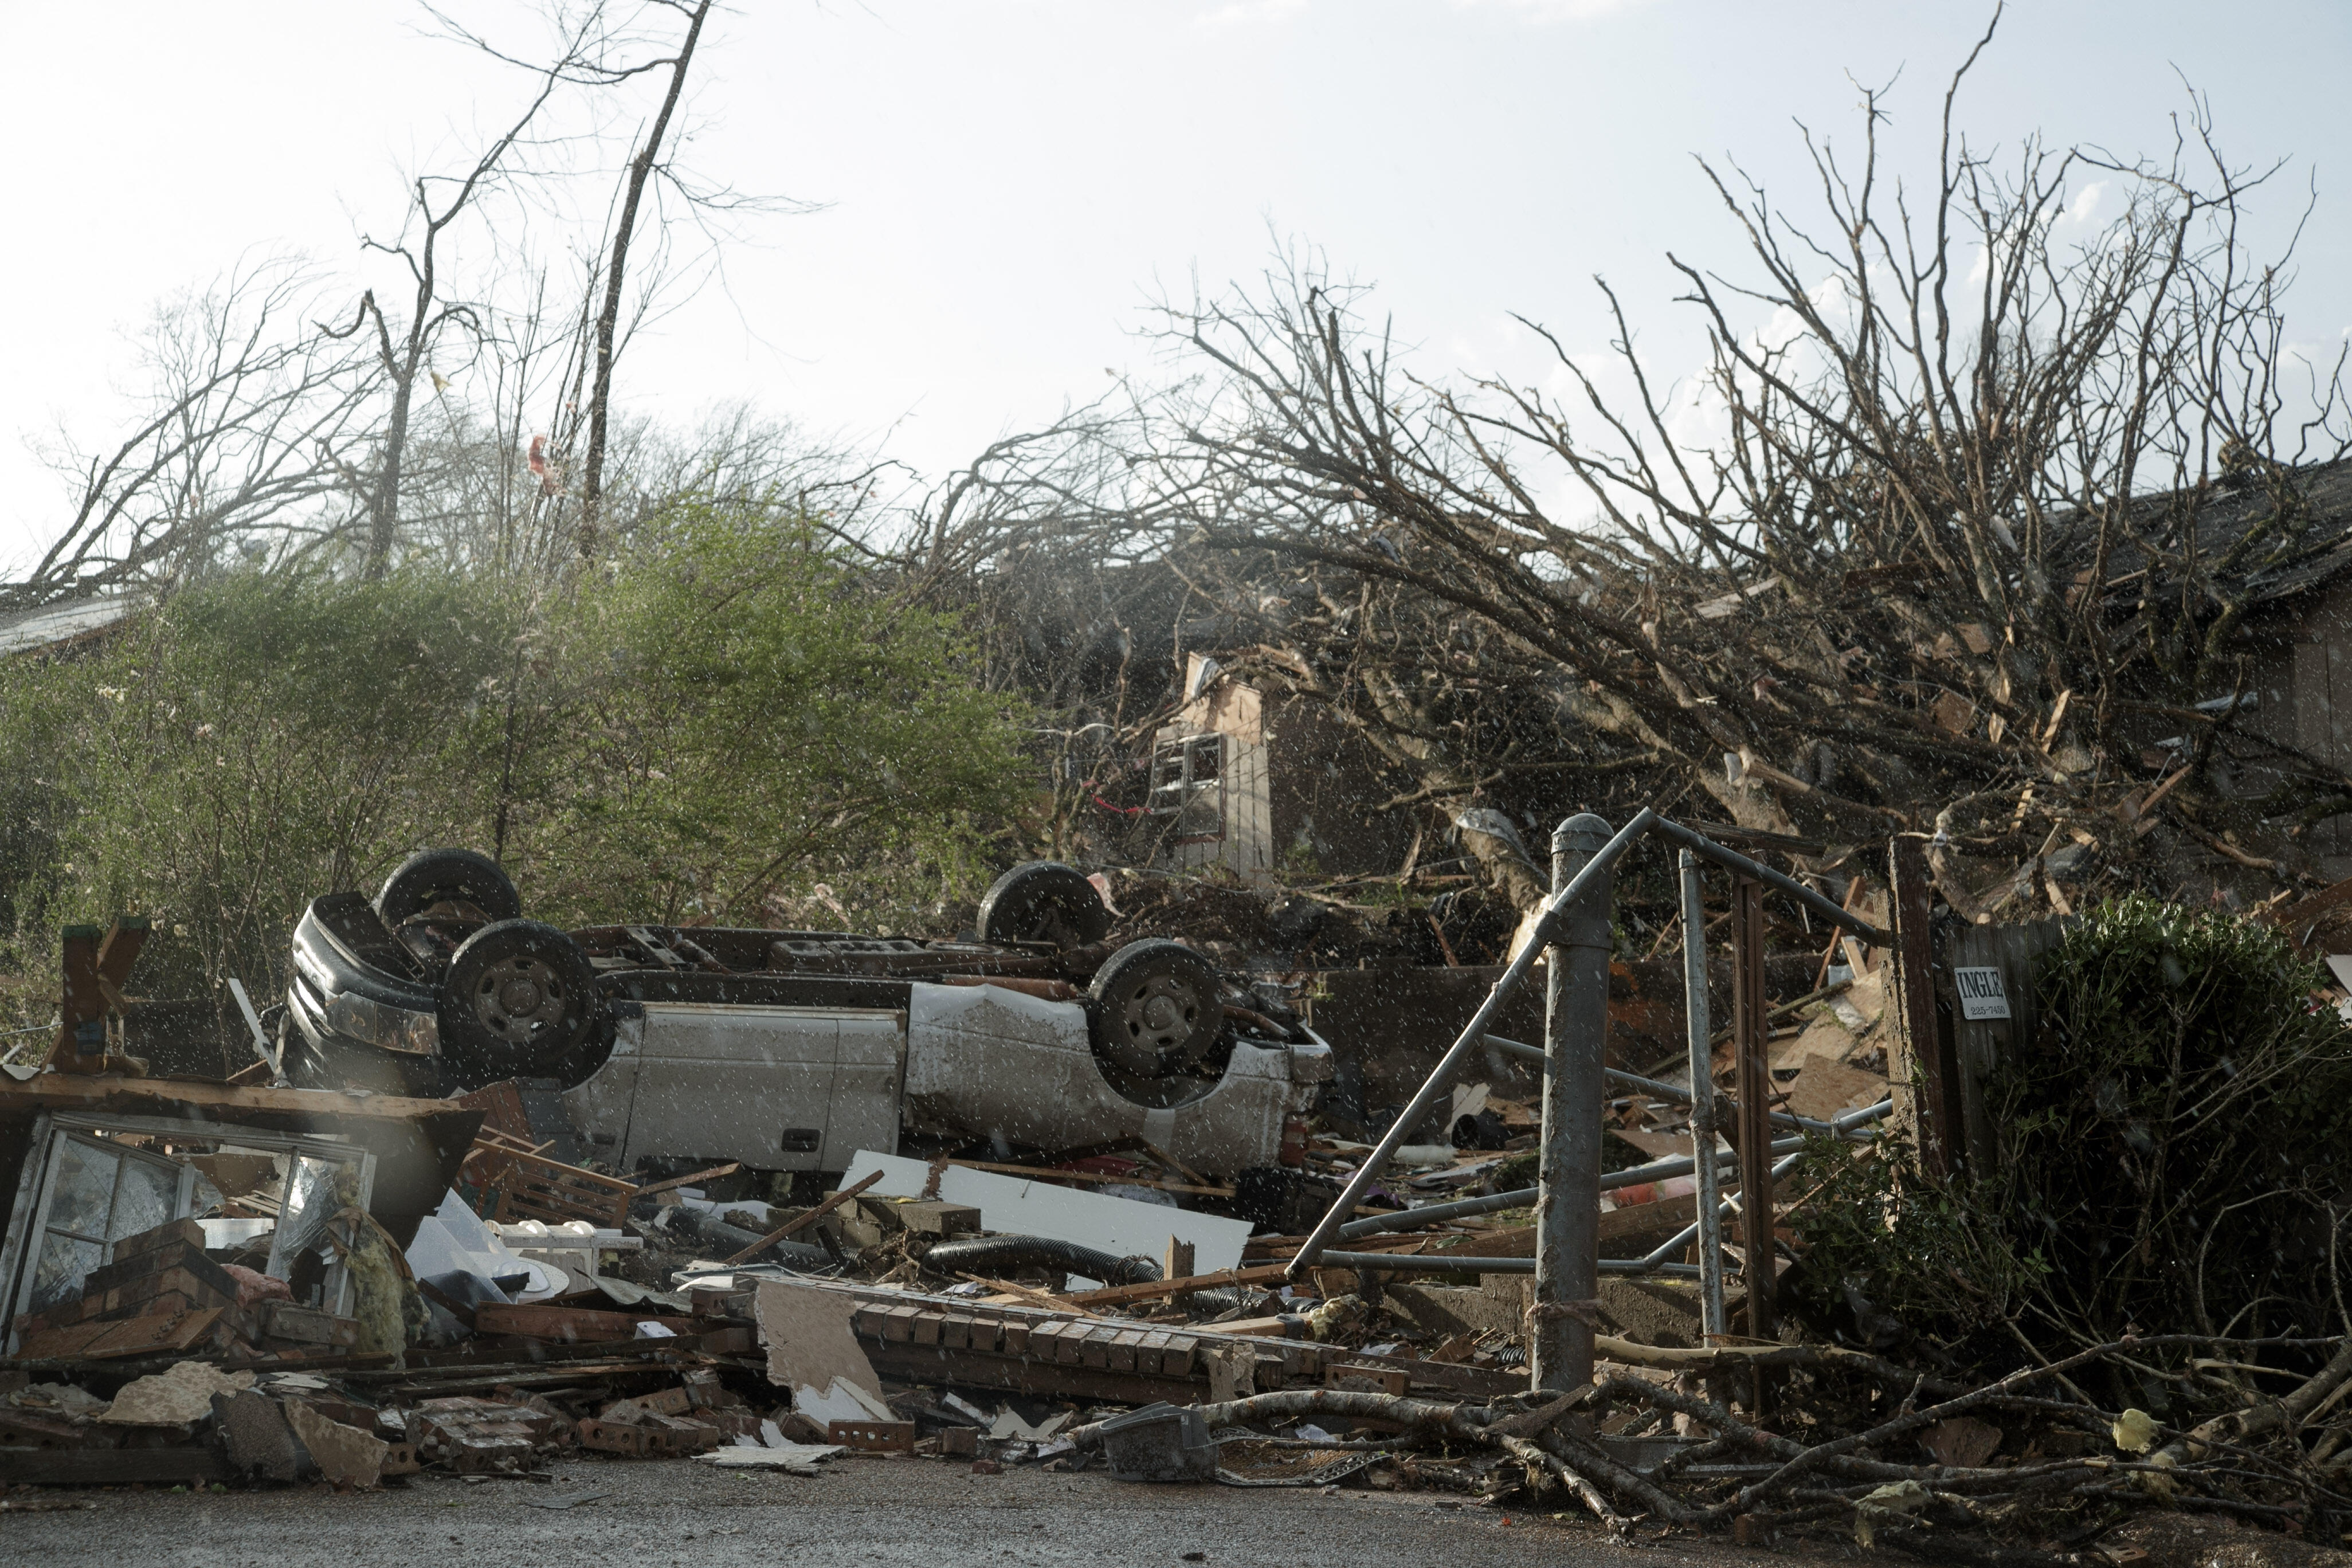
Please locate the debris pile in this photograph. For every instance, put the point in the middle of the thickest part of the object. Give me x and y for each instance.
(164, 1295)
(224, 1284)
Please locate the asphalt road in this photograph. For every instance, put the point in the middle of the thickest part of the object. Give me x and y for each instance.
(866, 1510)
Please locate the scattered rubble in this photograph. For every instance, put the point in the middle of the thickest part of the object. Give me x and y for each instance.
(355, 1289)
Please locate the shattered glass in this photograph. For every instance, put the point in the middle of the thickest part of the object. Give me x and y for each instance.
(144, 1199)
(58, 1273)
(83, 1195)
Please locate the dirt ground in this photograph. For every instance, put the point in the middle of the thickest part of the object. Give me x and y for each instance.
(861, 1510)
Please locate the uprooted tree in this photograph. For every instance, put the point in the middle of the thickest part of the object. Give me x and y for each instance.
(1975, 533)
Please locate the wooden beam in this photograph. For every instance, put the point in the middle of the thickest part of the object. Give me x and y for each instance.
(1047, 1174)
(113, 1467)
(574, 1325)
(1935, 1068)
(53, 1091)
(2304, 912)
(1152, 1291)
(715, 1172)
(1023, 1375)
(803, 1220)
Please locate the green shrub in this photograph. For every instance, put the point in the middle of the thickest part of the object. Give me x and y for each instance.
(253, 742)
(2172, 1152)
(753, 719)
(2175, 1143)
(730, 723)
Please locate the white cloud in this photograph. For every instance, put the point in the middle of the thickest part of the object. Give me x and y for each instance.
(1247, 13)
(1558, 10)
(1251, 12)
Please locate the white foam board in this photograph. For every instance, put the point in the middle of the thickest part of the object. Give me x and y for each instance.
(1018, 1207)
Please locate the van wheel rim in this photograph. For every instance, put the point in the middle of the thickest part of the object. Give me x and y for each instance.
(518, 996)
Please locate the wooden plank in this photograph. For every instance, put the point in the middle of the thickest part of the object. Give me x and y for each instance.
(1652, 1221)
(500, 1104)
(1930, 1089)
(57, 1091)
(65, 1343)
(800, 1222)
(1094, 1177)
(1980, 1045)
(1156, 1289)
(145, 1336)
(1479, 1381)
(2296, 916)
(1031, 1376)
(113, 1467)
(1274, 1328)
(572, 1324)
(688, 1180)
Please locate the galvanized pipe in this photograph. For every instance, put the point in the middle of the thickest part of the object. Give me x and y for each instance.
(1701, 1033)
(1473, 1035)
(1690, 1232)
(1658, 1086)
(1409, 1263)
(1525, 1197)
(1576, 1030)
(1828, 909)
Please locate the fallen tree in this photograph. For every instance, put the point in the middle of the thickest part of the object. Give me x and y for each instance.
(1861, 1469)
(1974, 545)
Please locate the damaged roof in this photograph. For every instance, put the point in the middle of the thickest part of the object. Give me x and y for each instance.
(68, 621)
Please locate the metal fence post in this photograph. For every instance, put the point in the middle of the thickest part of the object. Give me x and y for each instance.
(1752, 1039)
(1702, 1087)
(1576, 1031)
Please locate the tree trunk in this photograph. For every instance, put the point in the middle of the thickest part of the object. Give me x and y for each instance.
(591, 488)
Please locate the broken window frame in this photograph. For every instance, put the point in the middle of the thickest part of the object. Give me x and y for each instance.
(47, 1226)
(1179, 785)
(36, 1191)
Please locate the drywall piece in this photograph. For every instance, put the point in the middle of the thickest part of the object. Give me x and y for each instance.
(793, 1458)
(811, 1349)
(1015, 1205)
(1007, 1423)
(841, 1400)
(1233, 1372)
(180, 1396)
(344, 1455)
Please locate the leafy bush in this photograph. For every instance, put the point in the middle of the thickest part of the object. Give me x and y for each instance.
(2174, 1144)
(251, 745)
(727, 720)
(1877, 1232)
(751, 719)
(2171, 1153)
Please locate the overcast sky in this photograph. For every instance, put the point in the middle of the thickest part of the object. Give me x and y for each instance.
(1006, 183)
